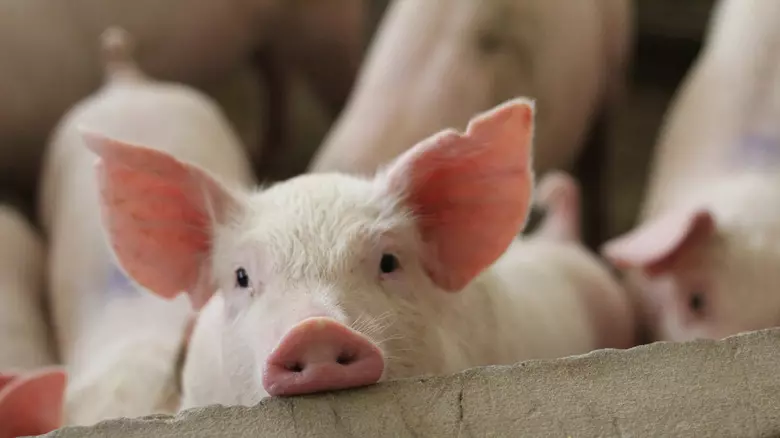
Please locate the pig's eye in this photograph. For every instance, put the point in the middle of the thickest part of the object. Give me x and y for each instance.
(696, 302)
(242, 279)
(388, 264)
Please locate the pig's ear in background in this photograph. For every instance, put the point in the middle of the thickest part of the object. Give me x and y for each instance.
(32, 404)
(655, 245)
(470, 193)
(160, 215)
(559, 193)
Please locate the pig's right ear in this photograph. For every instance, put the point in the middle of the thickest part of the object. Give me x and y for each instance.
(469, 193)
(32, 404)
(160, 215)
(655, 245)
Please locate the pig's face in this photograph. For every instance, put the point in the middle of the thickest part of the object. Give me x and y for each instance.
(326, 246)
(708, 272)
(325, 281)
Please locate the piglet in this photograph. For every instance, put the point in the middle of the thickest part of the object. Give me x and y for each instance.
(31, 402)
(704, 256)
(330, 281)
(25, 338)
(119, 342)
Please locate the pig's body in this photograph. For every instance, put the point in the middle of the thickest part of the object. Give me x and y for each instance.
(119, 342)
(25, 339)
(434, 64)
(545, 297)
(704, 255)
(730, 97)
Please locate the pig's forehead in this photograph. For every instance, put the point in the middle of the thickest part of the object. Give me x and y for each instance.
(321, 212)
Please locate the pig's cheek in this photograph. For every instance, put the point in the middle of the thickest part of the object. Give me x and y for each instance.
(406, 284)
(241, 365)
(236, 304)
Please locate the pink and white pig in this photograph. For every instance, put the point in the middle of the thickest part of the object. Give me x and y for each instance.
(329, 281)
(120, 343)
(705, 256)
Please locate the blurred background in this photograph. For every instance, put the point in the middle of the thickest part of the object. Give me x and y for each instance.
(47, 71)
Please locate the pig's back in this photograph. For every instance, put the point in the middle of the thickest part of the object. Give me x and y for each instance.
(723, 119)
(546, 292)
(169, 117)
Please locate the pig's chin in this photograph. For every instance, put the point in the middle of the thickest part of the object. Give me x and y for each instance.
(248, 387)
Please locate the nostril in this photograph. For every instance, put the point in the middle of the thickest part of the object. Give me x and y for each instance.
(345, 359)
(294, 367)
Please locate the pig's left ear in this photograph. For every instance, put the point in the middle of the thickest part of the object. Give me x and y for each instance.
(469, 193)
(655, 245)
(160, 215)
(32, 404)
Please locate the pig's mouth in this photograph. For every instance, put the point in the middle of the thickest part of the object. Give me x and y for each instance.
(321, 354)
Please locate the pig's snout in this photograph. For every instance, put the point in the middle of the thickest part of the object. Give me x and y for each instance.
(320, 354)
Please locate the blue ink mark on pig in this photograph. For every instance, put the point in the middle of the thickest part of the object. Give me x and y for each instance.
(118, 282)
(758, 151)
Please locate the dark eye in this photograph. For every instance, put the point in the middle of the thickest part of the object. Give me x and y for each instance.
(696, 302)
(242, 279)
(388, 264)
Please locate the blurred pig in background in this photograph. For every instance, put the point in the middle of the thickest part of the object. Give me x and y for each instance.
(120, 343)
(279, 69)
(434, 64)
(705, 254)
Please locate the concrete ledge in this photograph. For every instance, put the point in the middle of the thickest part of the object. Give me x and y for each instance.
(729, 388)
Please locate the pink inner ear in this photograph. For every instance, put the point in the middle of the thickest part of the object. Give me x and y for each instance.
(153, 224)
(6, 378)
(33, 404)
(470, 193)
(655, 245)
(158, 212)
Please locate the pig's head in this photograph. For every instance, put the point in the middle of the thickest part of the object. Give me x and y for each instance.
(708, 270)
(325, 281)
(31, 403)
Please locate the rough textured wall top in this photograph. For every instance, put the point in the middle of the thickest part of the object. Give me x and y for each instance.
(729, 388)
